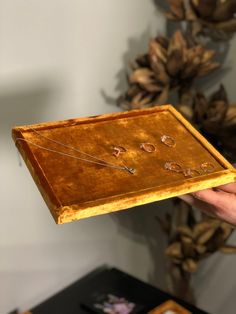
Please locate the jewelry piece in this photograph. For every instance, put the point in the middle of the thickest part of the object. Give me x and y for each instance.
(168, 140)
(98, 162)
(118, 150)
(207, 167)
(173, 166)
(148, 147)
(190, 172)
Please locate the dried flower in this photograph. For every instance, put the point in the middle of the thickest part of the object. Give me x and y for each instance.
(169, 64)
(216, 120)
(191, 244)
(212, 17)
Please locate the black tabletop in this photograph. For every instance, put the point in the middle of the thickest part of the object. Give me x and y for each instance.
(76, 298)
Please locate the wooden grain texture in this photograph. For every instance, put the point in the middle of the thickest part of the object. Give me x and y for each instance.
(74, 189)
(169, 306)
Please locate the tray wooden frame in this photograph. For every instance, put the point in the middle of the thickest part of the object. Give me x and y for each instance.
(169, 305)
(63, 214)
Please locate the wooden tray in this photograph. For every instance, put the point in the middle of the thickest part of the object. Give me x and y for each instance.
(75, 189)
(169, 307)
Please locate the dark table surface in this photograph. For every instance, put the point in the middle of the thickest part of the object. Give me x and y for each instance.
(73, 299)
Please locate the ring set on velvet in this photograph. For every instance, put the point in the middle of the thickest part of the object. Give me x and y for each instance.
(205, 167)
(147, 147)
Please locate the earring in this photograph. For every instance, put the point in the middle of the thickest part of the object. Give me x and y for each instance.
(117, 150)
(148, 147)
(168, 140)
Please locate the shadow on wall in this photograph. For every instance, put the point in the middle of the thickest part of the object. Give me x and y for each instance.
(135, 46)
(24, 103)
(140, 225)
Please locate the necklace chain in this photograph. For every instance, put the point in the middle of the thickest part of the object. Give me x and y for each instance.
(97, 160)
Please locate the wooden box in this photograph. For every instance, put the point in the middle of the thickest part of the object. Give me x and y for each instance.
(75, 189)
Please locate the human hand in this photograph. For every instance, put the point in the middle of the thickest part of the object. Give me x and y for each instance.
(219, 201)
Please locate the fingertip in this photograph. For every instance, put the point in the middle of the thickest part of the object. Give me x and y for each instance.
(183, 198)
(201, 195)
(188, 198)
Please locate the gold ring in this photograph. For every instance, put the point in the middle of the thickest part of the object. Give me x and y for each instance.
(168, 140)
(207, 167)
(173, 166)
(190, 172)
(118, 150)
(148, 147)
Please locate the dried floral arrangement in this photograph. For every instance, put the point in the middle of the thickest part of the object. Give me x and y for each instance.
(169, 64)
(173, 65)
(214, 18)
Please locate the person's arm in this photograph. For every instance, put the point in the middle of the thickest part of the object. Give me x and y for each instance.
(219, 202)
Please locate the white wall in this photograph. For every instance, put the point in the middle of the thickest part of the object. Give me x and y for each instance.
(56, 57)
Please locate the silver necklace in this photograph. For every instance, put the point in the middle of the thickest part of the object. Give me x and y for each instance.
(98, 160)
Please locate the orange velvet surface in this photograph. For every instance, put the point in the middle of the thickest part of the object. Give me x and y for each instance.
(67, 181)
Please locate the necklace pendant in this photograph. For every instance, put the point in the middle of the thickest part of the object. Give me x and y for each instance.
(130, 170)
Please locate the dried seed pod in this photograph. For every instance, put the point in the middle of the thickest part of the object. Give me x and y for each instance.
(174, 250)
(177, 42)
(200, 228)
(190, 71)
(174, 62)
(215, 242)
(228, 249)
(224, 11)
(206, 236)
(208, 55)
(190, 265)
(140, 100)
(190, 13)
(185, 231)
(160, 73)
(142, 61)
(186, 240)
(177, 9)
(200, 249)
(142, 76)
(227, 229)
(188, 247)
(207, 68)
(225, 27)
(230, 118)
(204, 8)
(157, 51)
(217, 120)
(163, 41)
(169, 64)
(215, 18)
